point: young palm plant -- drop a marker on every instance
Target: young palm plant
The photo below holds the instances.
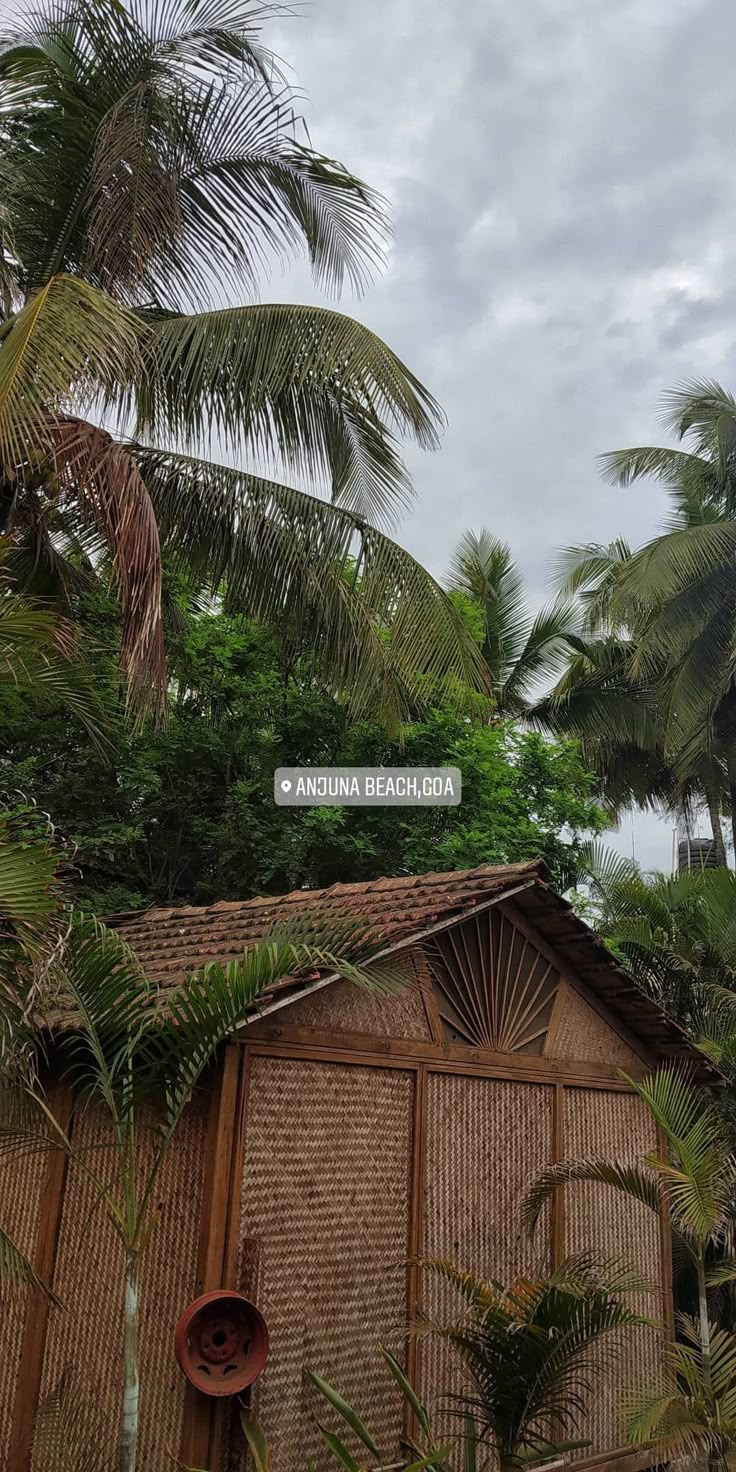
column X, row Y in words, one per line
column 526, row 1354
column 694, row 1178
column 150, row 164
column 123, row 1047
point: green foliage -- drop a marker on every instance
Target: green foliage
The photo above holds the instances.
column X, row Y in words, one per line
column 189, row 813
column 533, row 1353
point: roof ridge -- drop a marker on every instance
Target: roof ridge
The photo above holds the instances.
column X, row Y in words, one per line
column 383, row 884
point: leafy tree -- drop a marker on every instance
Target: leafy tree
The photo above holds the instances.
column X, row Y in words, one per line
column 694, row 1179
column 140, row 142
column 188, row 814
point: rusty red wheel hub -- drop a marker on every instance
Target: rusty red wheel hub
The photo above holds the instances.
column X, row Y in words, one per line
column 221, row 1343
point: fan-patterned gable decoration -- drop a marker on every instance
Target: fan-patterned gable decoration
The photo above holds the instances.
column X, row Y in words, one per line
column 493, row 987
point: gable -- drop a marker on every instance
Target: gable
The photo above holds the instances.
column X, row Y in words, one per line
column 580, row 1032
column 494, row 988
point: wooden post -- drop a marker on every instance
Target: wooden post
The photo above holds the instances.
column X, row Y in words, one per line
column 30, row 1369
column 557, row 1206
column 198, row 1419
column 665, row 1247
column 416, row 1232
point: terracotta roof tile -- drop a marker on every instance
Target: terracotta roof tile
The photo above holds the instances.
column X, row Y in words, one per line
column 172, row 943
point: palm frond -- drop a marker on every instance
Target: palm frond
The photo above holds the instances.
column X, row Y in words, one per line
column 273, row 380
column 101, row 477
column 637, row 1182
column 282, row 557
column 68, row 342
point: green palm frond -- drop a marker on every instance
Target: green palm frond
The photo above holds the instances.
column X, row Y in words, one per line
column 209, row 1007
column 69, row 1435
column 637, row 1182
column 527, row 1352
column 15, row 1268
column 283, row 555
column 273, row 379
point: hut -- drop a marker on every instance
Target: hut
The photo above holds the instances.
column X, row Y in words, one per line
column 344, row 1135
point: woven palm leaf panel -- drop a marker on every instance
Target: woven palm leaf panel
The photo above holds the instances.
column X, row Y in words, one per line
column 323, row 1242
column 86, row 1337
column 486, row 1139
column 494, row 988
column 344, row 1007
column 582, row 1033
column 614, row 1126
column 21, row 1184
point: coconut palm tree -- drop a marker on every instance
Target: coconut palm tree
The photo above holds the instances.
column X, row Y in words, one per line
column 150, row 164
column 125, row 1046
column 694, row 1178
column 687, row 577
column 619, row 711
column 519, row 648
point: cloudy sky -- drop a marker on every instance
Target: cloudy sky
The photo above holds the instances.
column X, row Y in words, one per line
column 564, row 202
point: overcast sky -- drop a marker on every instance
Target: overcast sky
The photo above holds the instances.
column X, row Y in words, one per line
column 564, row 201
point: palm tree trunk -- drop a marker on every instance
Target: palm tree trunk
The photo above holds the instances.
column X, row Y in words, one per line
column 128, row 1447
column 704, row 1321
column 711, row 797
column 731, row 768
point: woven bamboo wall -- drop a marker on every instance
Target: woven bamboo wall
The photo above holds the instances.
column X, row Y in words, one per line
column 87, row 1334
column 344, row 1007
column 486, row 1140
column 21, row 1184
column 324, row 1211
column 614, row 1126
column 583, row 1034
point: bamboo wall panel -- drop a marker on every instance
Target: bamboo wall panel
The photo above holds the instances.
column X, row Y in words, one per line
column 87, row 1335
column 344, row 1007
column 614, row 1127
column 486, row 1140
column 584, row 1034
column 324, row 1213
column 21, row 1184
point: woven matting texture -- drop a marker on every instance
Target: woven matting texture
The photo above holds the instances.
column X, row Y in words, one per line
column 21, row 1185
column 88, row 1279
column 324, row 1212
column 614, row 1127
column 486, row 1140
column 583, row 1034
column 344, row 1007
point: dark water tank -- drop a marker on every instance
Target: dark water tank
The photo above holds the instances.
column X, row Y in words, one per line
column 696, row 853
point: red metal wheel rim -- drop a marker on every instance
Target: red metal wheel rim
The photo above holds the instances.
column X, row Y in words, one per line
column 221, row 1343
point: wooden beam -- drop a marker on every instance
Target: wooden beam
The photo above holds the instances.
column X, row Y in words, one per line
column 665, row 1247
column 30, row 1369
column 379, row 1052
column 198, row 1418
column 416, row 1237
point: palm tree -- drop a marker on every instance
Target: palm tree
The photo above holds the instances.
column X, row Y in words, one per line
column 687, row 577
column 694, row 1178
column 618, row 711
column 519, row 649
column 125, row 1045
column 28, row 898
column 150, row 162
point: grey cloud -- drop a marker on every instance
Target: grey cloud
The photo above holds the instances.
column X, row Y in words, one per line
column 564, row 202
